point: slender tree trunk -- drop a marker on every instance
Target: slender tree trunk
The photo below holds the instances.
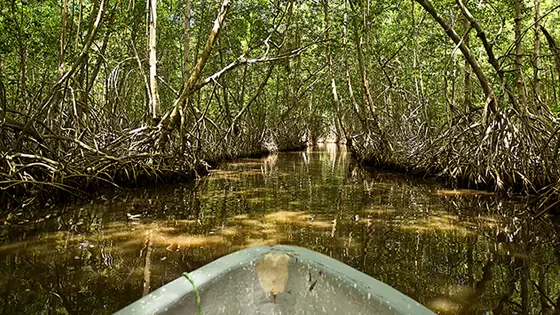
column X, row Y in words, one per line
column 536, row 53
column 82, row 99
column 197, row 71
column 543, row 285
column 467, row 101
column 61, row 54
column 554, row 94
column 418, row 81
column 3, row 102
column 296, row 80
column 187, row 39
column 54, row 96
column 491, row 101
column 154, row 101
column 489, row 52
column 482, row 36
column 554, row 49
column 22, row 50
column 94, row 27
column 331, row 70
column 199, row 42
column 189, row 84
column 260, row 89
column 241, row 94
column 225, row 87
column 366, row 94
column 521, row 92
column 24, row 55
column 99, row 62
column 80, row 11
column 355, row 105
column 361, row 68
column 524, row 283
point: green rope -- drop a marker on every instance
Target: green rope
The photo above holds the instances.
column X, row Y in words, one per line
column 186, row 275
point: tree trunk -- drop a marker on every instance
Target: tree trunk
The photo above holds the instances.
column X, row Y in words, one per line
column 23, row 53
column 536, row 53
column 188, row 85
column 331, row 70
column 61, row 54
column 82, row 96
column 366, row 94
column 543, row 288
column 467, row 101
column 225, row 86
column 90, row 38
column 553, row 49
column 361, row 68
column 54, row 96
column 197, row 71
column 186, row 44
column 491, row 101
column 355, row 105
column 521, row 92
column 418, row 81
column 80, row 11
column 524, row 283
column 99, row 62
column 3, row 102
column 489, row 52
column 154, row 101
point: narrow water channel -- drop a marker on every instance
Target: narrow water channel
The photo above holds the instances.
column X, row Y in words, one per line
column 455, row 251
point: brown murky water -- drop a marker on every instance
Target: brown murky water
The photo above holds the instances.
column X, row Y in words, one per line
column 457, row 252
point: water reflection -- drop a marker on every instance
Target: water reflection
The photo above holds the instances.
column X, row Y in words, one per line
column 456, row 251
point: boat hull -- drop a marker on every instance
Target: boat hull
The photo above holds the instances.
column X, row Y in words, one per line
column 276, row 280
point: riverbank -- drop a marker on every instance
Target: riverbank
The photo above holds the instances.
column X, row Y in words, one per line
column 504, row 156
column 129, row 161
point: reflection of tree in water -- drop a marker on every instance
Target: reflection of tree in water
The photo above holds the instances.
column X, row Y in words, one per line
column 456, row 251
column 458, row 255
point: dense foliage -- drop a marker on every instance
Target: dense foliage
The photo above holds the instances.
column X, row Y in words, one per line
column 102, row 92
column 469, row 93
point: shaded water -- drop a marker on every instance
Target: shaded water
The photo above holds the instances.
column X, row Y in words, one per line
column 457, row 252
